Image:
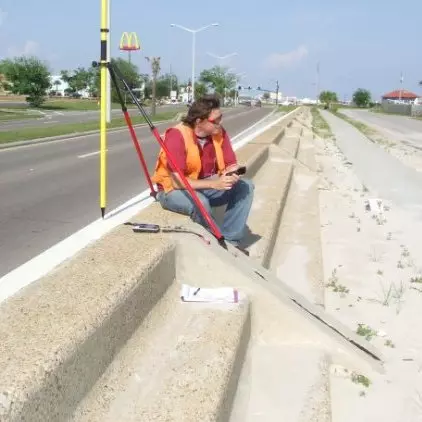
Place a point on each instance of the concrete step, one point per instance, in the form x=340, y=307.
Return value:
x=271, y=186
x=283, y=383
x=297, y=252
x=180, y=365
x=290, y=380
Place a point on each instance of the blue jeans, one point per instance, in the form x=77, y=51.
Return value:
x=238, y=201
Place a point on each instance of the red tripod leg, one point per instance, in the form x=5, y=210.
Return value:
x=138, y=150
x=114, y=70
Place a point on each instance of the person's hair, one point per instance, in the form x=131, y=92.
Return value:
x=201, y=109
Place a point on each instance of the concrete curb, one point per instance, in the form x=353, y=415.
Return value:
x=74, y=135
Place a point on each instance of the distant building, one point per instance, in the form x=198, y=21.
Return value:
x=400, y=95
x=60, y=88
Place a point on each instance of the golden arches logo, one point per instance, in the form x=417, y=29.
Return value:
x=129, y=42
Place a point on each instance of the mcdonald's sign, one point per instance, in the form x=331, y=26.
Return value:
x=129, y=42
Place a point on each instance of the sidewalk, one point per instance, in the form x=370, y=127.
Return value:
x=377, y=169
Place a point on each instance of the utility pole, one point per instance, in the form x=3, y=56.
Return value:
x=317, y=82
x=276, y=93
x=171, y=82
x=401, y=86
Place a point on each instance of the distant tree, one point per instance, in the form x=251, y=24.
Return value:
x=155, y=70
x=129, y=71
x=78, y=80
x=219, y=79
x=56, y=83
x=27, y=76
x=232, y=94
x=147, y=85
x=362, y=97
x=266, y=96
x=328, y=97
x=165, y=84
x=200, y=89
x=4, y=85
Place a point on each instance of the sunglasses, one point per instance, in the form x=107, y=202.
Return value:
x=217, y=120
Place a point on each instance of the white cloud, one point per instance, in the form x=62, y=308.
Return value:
x=3, y=16
x=284, y=60
x=30, y=48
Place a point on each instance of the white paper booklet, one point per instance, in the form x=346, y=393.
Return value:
x=216, y=295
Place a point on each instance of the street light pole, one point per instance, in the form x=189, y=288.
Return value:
x=193, y=65
x=193, y=32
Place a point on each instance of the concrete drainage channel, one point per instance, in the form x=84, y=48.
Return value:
x=105, y=336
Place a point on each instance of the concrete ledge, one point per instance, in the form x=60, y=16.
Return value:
x=290, y=144
x=60, y=334
x=185, y=368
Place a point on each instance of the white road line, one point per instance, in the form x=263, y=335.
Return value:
x=51, y=121
x=90, y=154
x=43, y=263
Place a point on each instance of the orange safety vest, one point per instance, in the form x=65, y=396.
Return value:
x=193, y=158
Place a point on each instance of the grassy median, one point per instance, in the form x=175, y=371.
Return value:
x=70, y=129
x=6, y=115
x=286, y=108
x=319, y=125
x=65, y=104
x=365, y=129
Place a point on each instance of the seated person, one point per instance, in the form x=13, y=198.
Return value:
x=202, y=149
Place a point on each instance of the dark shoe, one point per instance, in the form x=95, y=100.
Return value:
x=243, y=250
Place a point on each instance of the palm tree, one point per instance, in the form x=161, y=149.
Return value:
x=155, y=70
x=57, y=83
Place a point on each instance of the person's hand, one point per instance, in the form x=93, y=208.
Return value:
x=233, y=167
x=226, y=182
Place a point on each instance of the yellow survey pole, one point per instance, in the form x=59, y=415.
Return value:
x=103, y=119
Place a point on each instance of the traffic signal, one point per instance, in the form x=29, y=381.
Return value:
x=239, y=88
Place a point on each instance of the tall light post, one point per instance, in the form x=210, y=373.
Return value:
x=194, y=32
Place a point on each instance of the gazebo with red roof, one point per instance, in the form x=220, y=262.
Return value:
x=400, y=94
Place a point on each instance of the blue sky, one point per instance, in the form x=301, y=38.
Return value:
x=364, y=43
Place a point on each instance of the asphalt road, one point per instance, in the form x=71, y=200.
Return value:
x=386, y=176
x=397, y=128
x=50, y=190
x=51, y=118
